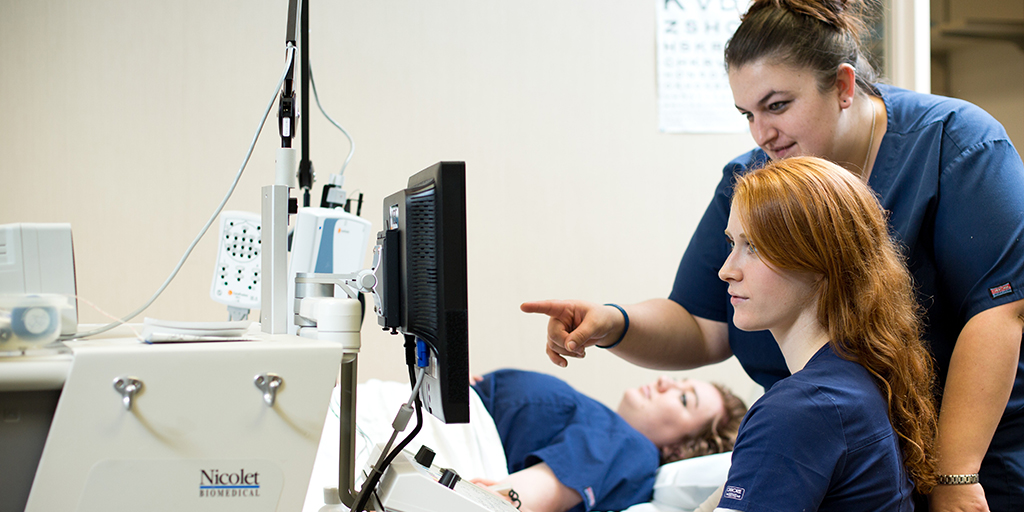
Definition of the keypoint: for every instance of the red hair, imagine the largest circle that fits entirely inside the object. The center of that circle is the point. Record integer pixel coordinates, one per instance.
(810, 215)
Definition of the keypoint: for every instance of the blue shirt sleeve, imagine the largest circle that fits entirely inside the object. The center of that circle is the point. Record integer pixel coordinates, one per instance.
(589, 447)
(954, 186)
(610, 469)
(979, 223)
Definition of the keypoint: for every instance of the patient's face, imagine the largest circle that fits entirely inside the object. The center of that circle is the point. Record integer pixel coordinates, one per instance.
(668, 410)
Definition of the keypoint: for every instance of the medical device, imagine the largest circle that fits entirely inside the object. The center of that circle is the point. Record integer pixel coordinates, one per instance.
(114, 423)
(222, 426)
(232, 425)
(414, 485)
(29, 321)
(92, 425)
(174, 426)
(38, 259)
(419, 287)
(100, 424)
(325, 241)
(236, 275)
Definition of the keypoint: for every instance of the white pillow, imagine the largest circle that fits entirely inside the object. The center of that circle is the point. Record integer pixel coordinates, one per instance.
(685, 484)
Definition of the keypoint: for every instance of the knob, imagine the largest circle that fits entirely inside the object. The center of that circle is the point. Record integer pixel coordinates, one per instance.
(425, 457)
(449, 478)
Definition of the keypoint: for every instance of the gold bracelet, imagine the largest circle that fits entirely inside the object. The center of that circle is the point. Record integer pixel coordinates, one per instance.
(958, 479)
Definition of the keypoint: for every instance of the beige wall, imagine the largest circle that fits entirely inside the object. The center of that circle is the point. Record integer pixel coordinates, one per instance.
(129, 120)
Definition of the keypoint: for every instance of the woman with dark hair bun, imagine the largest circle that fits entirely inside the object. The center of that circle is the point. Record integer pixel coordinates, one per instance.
(953, 185)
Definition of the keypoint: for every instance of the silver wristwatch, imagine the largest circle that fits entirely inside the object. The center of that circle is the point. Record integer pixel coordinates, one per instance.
(958, 479)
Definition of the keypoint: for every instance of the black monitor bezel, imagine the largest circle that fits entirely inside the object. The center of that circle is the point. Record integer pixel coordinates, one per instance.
(435, 312)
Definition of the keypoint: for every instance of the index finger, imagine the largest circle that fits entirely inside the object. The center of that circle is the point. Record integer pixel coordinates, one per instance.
(547, 307)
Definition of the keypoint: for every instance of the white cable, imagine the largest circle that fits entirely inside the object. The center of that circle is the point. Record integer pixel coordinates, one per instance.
(416, 387)
(351, 143)
(288, 64)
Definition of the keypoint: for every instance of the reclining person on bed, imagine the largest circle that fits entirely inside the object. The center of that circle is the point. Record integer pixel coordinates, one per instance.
(566, 451)
(562, 449)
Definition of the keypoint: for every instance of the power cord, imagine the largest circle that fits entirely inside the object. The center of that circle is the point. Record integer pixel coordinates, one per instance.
(351, 143)
(333, 195)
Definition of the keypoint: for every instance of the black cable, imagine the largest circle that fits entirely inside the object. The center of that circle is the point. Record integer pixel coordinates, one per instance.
(305, 164)
(286, 105)
(410, 357)
(370, 485)
(405, 442)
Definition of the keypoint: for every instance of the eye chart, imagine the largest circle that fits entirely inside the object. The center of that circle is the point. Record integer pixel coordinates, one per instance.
(693, 88)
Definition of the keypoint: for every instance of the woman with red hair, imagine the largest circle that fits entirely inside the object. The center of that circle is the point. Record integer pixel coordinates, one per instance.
(853, 428)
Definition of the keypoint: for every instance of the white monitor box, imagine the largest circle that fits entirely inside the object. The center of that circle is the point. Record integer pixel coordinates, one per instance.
(39, 259)
(325, 241)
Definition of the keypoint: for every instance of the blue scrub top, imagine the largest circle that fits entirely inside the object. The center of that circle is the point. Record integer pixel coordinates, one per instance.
(589, 447)
(819, 440)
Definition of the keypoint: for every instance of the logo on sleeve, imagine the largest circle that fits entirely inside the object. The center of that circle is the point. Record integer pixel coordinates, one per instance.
(590, 495)
(734, 493)
(1001, 290)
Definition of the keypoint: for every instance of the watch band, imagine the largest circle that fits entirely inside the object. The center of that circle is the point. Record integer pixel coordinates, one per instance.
(958, 479)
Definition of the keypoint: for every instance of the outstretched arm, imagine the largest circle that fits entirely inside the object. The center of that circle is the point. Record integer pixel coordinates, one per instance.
(538, 489)
(978, 386)
(662, 334)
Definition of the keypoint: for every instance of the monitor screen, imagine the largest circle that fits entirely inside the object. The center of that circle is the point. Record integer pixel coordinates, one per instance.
(423, 292)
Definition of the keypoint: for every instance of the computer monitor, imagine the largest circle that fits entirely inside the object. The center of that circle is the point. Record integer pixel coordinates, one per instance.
(423, 290)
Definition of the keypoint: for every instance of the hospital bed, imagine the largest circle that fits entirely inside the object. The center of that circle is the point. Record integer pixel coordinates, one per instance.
(474, 450)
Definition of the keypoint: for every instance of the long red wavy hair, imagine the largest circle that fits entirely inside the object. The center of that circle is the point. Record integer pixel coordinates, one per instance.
(810, 215)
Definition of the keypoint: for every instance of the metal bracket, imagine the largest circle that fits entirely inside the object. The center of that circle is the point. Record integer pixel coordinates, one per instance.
(268, 383)
(128, 387)
(352, 284)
